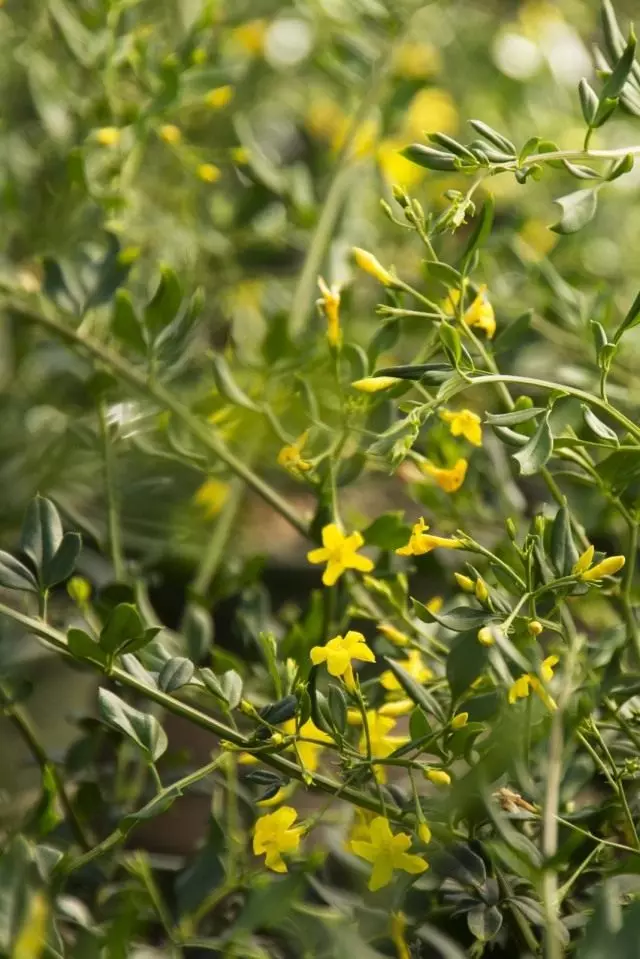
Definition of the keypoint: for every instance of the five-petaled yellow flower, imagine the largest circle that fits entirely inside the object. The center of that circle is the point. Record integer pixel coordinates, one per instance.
(307, 753)
(275, 834)
(414, 666)
(339, 654)
(421, 542)
(290, 457)
(330, 305)
(386, 852)
(480, 313)
(606, 567)
(339, 552)
(464, 423)
(529, 681)
(382, 744)
(449, 480)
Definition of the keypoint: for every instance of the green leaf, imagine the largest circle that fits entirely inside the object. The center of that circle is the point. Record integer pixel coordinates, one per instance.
(577, 210)
(64, 562)
(443, 273)
(86, 46)
(16, 873)
(269, 902)
(337, 709)
(41, 532)
(515, 418)
(605, 109)
(126, 325)
(143, 729)
(481, 230)
(227, 385)
(621, 168)
(175, 673)
(46, 815)
(419, 725)
(622, 69)
(631, 319)
(83, 647)
(231, 684)
(428, 158)
(123, 624)
(466, 661)
(280, 712)
(450, 339)
(588, 101)
(564, 553)
(15, 575)
(417, 693)
(597, 427)
(492, 136)
(513, 334)
(269, 646)
(388, 531)
(197, 629)
(458, 620)
(485, 922)
(155, 807)
(165, 303)
(532, 457)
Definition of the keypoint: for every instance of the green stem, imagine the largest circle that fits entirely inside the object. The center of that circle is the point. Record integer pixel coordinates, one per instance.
(153, 390)
(113, 512)
(318, 781)
(627, 585)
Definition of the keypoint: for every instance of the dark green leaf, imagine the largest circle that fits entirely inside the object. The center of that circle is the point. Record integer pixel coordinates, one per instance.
(563, 549)
(588, 102)
(532, 457)
(268, 903)
(337, 709)
(458, 620)
(450, 145)
(231, 684)
(126, 324)
(82, 646)
(492, 136)
(419, 726)
(413, 689)
(514, 418)
(450, 339)
(443, 273)
(622, 69)
(155, 807)
(41, 532)
(280, 712)
(631, 319)
(466, 661)
(227, 385)
(605, 109)
(175, 673)
(143, 729)
(577, 210)
(597, 427)
(429, 158)
(485, 922)
(64, 562)
(388, 531)
(15, 575)
(123, 624)
(481, 230)
(197, 628)
(621, 168)
(165, 303)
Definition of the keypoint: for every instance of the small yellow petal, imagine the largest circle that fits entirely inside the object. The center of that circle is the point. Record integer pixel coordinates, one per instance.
(374, 384)
(438, 777)
(369, 264)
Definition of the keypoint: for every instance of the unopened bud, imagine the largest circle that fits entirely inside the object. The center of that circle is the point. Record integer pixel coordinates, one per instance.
(534, 628)
(485, 636)
(481, 591)
(460, 720)
(438, 777)
(465, 583)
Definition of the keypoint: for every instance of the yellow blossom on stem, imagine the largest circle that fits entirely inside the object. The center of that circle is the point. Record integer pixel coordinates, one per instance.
(208, 172)
(170, 133)
(374, 384)
(386, 852)
(108, 136)
(340, 552)
(219, 97)
(290, 457)
(424, 833)
(394, 635)
(529, 682)
(414, 666)
(330, 305)
(481, 314)
(606, 567)
(449, 480)
(339, 654)
(485, 636)
(275, 834)
(397, 707)
(382, 744)
(438, 777)
(421, 542)
(308, 753)
(464, 423)
(460, 720)
(211, 496)
(465, 583)
(369, 264)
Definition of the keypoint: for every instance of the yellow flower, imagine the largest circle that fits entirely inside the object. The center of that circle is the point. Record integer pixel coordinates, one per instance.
(382, 744)
(249, 36)
(481, 590)
(208, 172)
(397, 928)
(460, 720)
(414, 666)
(464, 423)
(219, 97)
(481, 314)
(438, 777)
(395, 636)
(449, 480)
(275, 834)
(465, 583)
(396, 168)
(359, 827)
(170, 133)
(290, 457)
(212, 496)
(108, 136)
(367, 262)
(396, 707)
(431, 109)
(240, 155)
(339, 654)
(606, 567)
(534, 628)
(421, 542)
(330, 304)
(415, 59)
(374, 384)
(340, 553)
(529, 681)
(308, 753)
(386, 852)
(364, 140)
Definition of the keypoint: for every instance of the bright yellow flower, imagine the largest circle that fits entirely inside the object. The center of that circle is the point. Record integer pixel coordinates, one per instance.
(330, 305)
(386, 852)
(208, 172)
(250, 36)
(481, 590)
(219, 97)
(382, 744)
(465, 583)
(374, 384)
(414, 666)
(421, 542)
(606, 567)
(395, 636)
(290, 457)
(396, 707)
(460, 720)
(275, 834)
(438, 777)
(450, 480)
(212, 496)
(308, 753)
(464, 423)
(530, 682)
(396, 168)
(108, 136)
(339, 552)
(369, 264)
(360, 826)
(481, 314)
(431, 109)
(170, 133)
(340, 652)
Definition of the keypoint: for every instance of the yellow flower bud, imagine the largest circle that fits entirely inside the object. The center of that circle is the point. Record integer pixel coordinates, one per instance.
(108, 136)
(485, 636)
(79, 590)
(219, 97)
(208, 172)
(465, 583)
(438, 777)
(424, 833)
(481, 591)
(374, 384)
(459, 721)
(369, 264)
(534, 628)
(607, 567)
(170, 133)
(394, 635)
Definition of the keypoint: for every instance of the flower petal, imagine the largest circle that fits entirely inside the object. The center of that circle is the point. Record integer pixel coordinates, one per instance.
(365, 850)
(318, 555)
(410, 863)
(381, 875)
(332, 536)
(318, 655)
(332, 573)
(362, 563)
